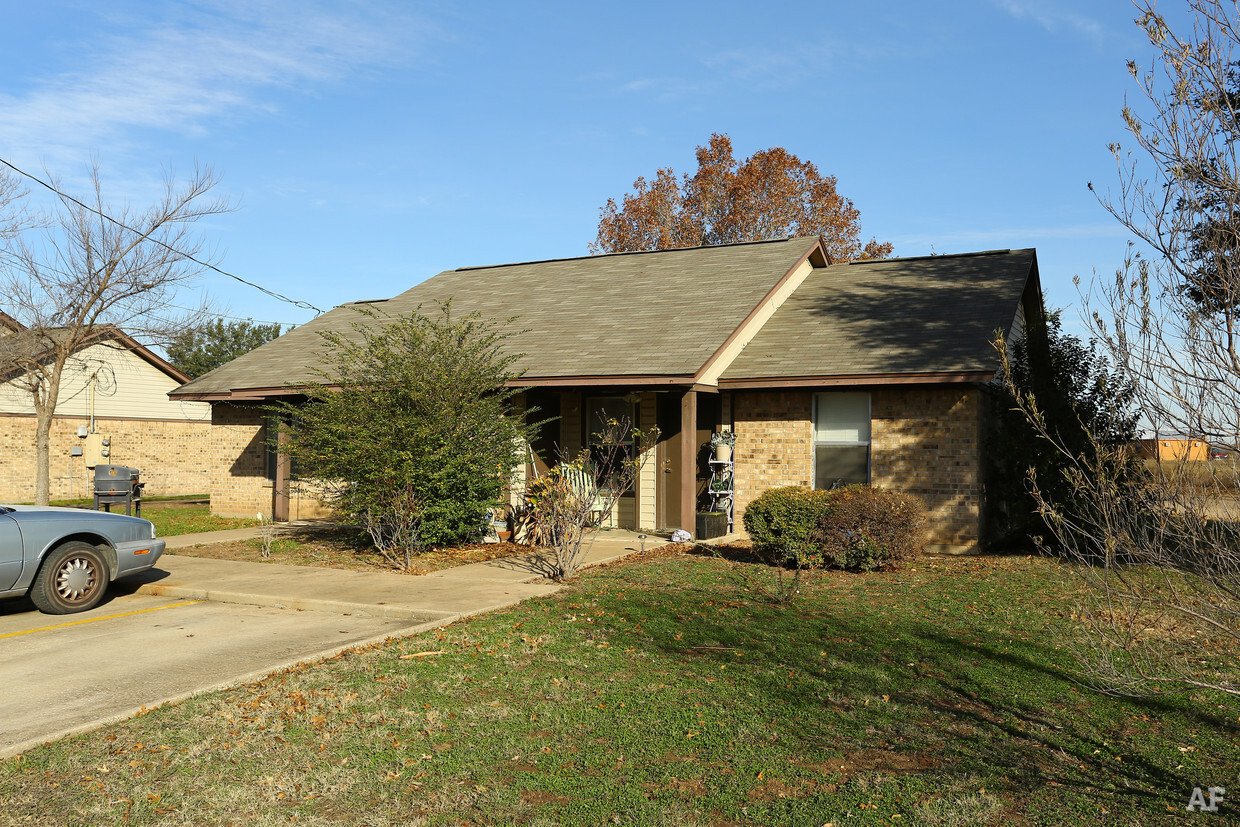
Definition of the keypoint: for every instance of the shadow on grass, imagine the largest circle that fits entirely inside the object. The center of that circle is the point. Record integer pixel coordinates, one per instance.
(861, 675)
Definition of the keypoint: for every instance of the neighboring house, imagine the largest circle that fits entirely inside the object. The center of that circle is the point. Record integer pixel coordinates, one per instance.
(1174, 449)
(112, 388)
(869, 372)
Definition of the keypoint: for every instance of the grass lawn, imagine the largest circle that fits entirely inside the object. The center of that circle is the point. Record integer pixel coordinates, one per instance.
(662, 692)
(174, 515)
(339, 549)
(171, 519)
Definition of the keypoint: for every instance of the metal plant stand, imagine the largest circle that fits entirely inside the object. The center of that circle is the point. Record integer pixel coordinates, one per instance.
(721, 487)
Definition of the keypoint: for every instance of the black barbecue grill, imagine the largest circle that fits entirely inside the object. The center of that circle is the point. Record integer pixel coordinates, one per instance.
(117, 484)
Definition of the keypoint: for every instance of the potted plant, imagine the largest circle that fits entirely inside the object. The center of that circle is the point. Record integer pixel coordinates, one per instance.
(721, 442)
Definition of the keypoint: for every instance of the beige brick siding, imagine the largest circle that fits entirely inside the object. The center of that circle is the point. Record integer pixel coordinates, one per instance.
(774, 443)
(924, 440)
(239, 484)
(174, 457)
(927, 441)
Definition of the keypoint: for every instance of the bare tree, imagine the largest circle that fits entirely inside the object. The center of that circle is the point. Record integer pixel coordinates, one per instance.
(84, 270)
(1160, 544)
(567, 505)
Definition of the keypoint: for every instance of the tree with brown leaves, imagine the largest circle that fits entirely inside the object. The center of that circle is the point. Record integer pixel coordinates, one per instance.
(771, 194)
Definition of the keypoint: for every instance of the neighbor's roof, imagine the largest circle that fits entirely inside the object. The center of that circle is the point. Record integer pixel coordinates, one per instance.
(933, 314)
(660, 314)
(662, 317)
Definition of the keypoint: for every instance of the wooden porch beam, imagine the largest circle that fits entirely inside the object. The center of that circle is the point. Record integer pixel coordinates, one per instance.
(279, 489)
(688, 461)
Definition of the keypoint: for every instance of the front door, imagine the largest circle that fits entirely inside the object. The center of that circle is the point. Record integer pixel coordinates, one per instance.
(670, 476)
(668, 457)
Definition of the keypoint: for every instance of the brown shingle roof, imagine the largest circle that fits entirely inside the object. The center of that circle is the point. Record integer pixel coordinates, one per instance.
(629, 314)
(896, 316)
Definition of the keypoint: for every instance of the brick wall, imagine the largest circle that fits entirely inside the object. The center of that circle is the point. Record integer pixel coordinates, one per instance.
(927, 441)
(774, 443)
(924, 440)
(239, 485)
(174, 456)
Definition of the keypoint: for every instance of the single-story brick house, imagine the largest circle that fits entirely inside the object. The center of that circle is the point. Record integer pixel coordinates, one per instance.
(869, 372)
(113, 390)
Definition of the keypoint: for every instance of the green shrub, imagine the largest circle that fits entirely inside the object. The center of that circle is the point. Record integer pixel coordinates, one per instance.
(856, 528)
(863, 528)
(408, 432)
(783, 524)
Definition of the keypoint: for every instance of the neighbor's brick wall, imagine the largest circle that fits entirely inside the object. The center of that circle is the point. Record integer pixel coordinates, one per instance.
(173, 455)
(924, 441)
(239, 485)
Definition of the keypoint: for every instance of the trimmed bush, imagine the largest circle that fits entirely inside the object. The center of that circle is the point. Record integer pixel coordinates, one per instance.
(857, 528)
(783, 524)
(863, 528)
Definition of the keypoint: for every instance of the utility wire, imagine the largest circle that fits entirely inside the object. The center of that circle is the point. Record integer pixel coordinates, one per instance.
(60, 193)
(209, 311)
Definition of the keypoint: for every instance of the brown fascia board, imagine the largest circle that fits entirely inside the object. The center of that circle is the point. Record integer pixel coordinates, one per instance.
(776, 382)
(143, 352)
(241, 394)
(108, 331)
(597, 381)
(12, 324)
(633, 382)
(816, 254)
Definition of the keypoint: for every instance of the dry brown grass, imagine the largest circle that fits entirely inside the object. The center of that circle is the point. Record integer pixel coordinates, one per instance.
(334, 548)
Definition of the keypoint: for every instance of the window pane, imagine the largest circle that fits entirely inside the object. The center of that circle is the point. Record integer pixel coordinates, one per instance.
(842, 417)
(601, 409)
(841, 465)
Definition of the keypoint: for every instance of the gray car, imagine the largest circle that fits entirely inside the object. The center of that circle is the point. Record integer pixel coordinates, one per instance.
(64, 558)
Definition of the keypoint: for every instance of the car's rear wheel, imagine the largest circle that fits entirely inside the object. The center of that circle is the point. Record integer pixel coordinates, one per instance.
(72, 578)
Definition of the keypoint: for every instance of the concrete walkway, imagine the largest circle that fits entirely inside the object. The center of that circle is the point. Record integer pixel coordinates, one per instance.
(206, 538)
(439, 597)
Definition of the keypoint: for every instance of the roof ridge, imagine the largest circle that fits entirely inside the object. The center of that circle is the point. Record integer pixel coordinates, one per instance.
(938, 255)
(630, 253)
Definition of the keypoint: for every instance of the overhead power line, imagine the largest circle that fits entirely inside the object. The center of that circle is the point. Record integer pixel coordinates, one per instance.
(208, 265)
(205, 311)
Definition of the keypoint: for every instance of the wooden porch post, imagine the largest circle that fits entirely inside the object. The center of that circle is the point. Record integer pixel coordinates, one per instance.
(279, 489)
(688, 461)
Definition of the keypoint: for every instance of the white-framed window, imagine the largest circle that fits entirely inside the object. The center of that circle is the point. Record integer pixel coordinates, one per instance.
(601, 410)
(841, 439)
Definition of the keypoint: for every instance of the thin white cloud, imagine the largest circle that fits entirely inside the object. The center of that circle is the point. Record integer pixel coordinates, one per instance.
(1052, 17)
(219, 60)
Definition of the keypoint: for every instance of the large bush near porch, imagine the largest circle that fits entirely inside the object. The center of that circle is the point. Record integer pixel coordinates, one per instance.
(409, 428)
(857, 527)
(783, 524)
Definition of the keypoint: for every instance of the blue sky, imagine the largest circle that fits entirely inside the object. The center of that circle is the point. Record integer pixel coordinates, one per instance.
(370, 145)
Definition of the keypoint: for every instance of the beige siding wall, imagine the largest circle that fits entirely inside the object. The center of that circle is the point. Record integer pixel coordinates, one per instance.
(125, 386)
(647, 478)
(174, 457)
(925, 441)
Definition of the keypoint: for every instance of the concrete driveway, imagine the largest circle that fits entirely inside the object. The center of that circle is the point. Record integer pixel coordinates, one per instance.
(195, 624)
(68, 673)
